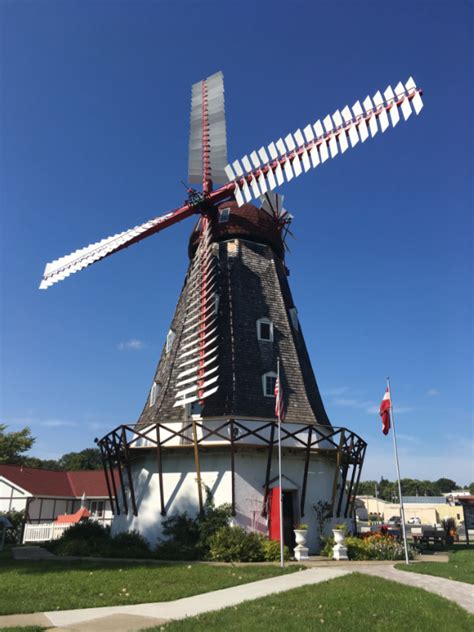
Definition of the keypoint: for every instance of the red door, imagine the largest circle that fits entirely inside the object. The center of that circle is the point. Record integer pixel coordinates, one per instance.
(274, 514)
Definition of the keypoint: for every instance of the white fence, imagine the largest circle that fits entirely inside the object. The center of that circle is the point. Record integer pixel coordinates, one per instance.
(44, 531)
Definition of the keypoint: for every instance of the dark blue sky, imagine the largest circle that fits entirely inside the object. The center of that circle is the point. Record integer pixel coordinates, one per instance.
(94, 128)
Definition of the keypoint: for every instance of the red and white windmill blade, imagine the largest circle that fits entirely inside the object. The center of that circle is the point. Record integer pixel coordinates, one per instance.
(254, 177)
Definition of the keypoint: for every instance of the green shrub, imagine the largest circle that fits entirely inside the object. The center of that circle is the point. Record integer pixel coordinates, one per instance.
(374, 546)
(129, 544)
(173, 550)
(17, 518)
(79, 548)
(233, 544)
(328, 543)
(189, 538)
(271, 550)
(86, 530)
(84, 539)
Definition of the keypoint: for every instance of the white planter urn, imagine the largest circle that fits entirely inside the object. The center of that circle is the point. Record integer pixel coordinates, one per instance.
(339, 550)
(301, 551)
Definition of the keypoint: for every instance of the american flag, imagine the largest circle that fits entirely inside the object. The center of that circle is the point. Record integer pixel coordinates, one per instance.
(279, 401)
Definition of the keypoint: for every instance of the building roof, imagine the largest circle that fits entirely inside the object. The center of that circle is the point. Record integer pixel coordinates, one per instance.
(39, 482)
(425, 500)
(81, 514)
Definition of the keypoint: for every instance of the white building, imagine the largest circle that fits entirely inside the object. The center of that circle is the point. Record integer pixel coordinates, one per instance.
(45, 494)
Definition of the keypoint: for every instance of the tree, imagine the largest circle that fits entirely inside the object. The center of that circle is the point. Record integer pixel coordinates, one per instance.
(14, 444)
(43, 464)
(471, 489)
(88, 459)
(445, 485)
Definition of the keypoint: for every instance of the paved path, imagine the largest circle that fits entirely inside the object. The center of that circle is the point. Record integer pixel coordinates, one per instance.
(136, 617)
(459, 592)
(32, 553)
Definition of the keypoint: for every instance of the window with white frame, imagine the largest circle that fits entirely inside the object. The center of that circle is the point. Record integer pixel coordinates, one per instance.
(224, 215)
(268, 383)
(169, 340)
(155, 391)
(265, 329)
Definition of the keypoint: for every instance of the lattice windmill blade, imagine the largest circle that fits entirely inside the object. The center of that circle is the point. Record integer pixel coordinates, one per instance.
(79, 259)
(300, 151)
(207, 139)
(272, 203)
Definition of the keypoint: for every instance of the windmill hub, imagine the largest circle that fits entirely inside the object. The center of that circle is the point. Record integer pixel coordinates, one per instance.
(231, 221)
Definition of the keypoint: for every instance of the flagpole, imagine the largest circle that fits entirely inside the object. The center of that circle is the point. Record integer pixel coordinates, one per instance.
(282, 544)
(395, 448)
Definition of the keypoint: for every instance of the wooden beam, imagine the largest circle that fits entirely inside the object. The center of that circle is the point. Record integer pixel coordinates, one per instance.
(119, 467)
(114, 485)
(356, 487)
(106, 474)
(306, 466)
(198, 467)
(129, 473)
(159, 464)
(337, 470)
(349, 491)
(345, 469)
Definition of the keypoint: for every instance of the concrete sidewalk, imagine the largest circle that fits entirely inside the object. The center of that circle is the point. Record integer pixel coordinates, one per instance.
(124, 618)
(137, 617)
(459, 592)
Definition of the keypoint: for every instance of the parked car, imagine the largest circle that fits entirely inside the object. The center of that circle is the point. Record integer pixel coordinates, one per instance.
(394, 521)
(414, 520)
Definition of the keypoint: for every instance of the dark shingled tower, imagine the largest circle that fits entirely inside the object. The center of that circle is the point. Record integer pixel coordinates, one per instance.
(251, 284)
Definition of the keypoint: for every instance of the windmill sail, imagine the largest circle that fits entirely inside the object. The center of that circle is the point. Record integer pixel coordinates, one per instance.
(207, 139)
(321, 141)
(63, 267)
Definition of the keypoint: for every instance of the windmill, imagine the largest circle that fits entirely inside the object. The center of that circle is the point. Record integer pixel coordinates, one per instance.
(212, 393)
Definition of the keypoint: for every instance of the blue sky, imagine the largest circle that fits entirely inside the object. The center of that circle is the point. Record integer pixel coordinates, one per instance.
(94, 128)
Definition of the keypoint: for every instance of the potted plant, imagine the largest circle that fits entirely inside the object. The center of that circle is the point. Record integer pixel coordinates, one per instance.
(301, 533)
(339, 551)
(323, 511)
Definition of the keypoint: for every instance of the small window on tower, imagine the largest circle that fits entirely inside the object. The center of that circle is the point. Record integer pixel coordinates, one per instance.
(224, 215)
(155, 391)
(265, 329)
(169, 340)
(294, 318)
(268, 383)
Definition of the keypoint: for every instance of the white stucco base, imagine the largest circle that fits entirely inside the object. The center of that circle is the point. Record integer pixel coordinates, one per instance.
(180, 488)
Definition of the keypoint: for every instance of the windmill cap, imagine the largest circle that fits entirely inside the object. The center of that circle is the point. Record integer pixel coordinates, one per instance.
(244, 222)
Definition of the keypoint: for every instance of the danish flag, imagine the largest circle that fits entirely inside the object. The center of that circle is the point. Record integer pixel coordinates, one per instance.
(279, 402)
(385, 412)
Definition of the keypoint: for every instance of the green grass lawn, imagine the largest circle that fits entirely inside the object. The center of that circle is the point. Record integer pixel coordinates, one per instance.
(354, 602)
(460, 567)
(59, 585)
(28, 628)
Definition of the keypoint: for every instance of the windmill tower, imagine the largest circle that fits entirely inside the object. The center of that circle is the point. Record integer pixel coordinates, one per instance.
(209, 418)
